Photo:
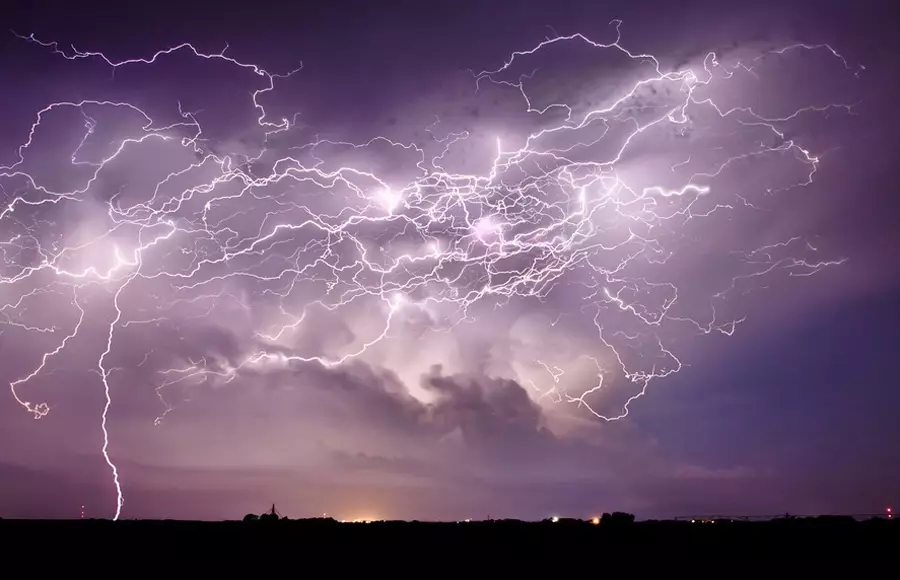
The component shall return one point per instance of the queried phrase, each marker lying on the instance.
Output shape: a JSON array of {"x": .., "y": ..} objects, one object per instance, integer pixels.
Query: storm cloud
[{"x": 441, "y": 282}]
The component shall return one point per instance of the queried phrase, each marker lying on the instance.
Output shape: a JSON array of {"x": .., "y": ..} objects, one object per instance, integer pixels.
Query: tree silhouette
[{"x": 617, "y": 519}]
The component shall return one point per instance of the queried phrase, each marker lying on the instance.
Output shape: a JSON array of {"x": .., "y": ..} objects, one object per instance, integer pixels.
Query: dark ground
[{"x": 505, "y": 543}]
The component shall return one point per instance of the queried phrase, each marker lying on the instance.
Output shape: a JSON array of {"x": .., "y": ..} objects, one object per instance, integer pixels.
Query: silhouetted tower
[{"x": 271, "y": 516}]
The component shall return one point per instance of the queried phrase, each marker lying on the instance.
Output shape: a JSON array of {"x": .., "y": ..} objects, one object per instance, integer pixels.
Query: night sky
[{"x": 378, "y": 260}]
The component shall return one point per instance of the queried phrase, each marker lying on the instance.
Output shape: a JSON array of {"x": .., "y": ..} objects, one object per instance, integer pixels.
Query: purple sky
[{"x": 428, "y": 276}]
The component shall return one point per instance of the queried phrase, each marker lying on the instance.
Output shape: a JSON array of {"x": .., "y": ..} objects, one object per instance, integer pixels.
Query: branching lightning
[{"x": 556, "y": 211}]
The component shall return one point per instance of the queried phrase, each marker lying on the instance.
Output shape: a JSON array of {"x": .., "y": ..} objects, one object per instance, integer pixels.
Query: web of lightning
[{"x": 558, "y": 204}]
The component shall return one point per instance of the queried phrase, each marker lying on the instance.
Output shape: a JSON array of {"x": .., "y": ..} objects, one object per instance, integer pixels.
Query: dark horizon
[
  {"x": 465, "y": 331},
  {"x": 612, "y": 519}
]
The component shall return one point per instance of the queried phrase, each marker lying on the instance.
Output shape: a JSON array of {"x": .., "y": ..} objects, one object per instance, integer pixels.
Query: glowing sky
[{"x": 448, "y": 264}]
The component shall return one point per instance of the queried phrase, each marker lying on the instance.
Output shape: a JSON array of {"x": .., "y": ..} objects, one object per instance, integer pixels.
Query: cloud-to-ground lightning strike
[{"x": 556, "y": 211}]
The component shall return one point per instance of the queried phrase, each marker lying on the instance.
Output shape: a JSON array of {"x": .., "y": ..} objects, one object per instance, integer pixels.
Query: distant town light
[
  {"x": 595, "y": 521},
  {"x": 554, "y": 519}
]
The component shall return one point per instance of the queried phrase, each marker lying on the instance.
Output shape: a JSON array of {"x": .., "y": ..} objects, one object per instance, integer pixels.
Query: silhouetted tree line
[
  {"x": 607, "y": 519},
  {"x": 269, "y": 516},
  {"x": 617, "y": 518},
  {"x": 273, "y": 516}
]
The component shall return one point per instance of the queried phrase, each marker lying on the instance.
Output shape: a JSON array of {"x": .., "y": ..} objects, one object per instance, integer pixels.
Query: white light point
[
  {"x": 486, "y": 227},
  {"x": 398, "y": 301},
  {"x": 389, "y": 199}
]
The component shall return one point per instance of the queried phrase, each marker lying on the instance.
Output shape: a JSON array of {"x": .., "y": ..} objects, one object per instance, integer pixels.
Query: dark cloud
[{"x": 494, "y": 416}]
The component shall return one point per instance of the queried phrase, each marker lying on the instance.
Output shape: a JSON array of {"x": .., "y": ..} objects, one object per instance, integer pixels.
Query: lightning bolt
[{"x": 554, "y": 210}]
